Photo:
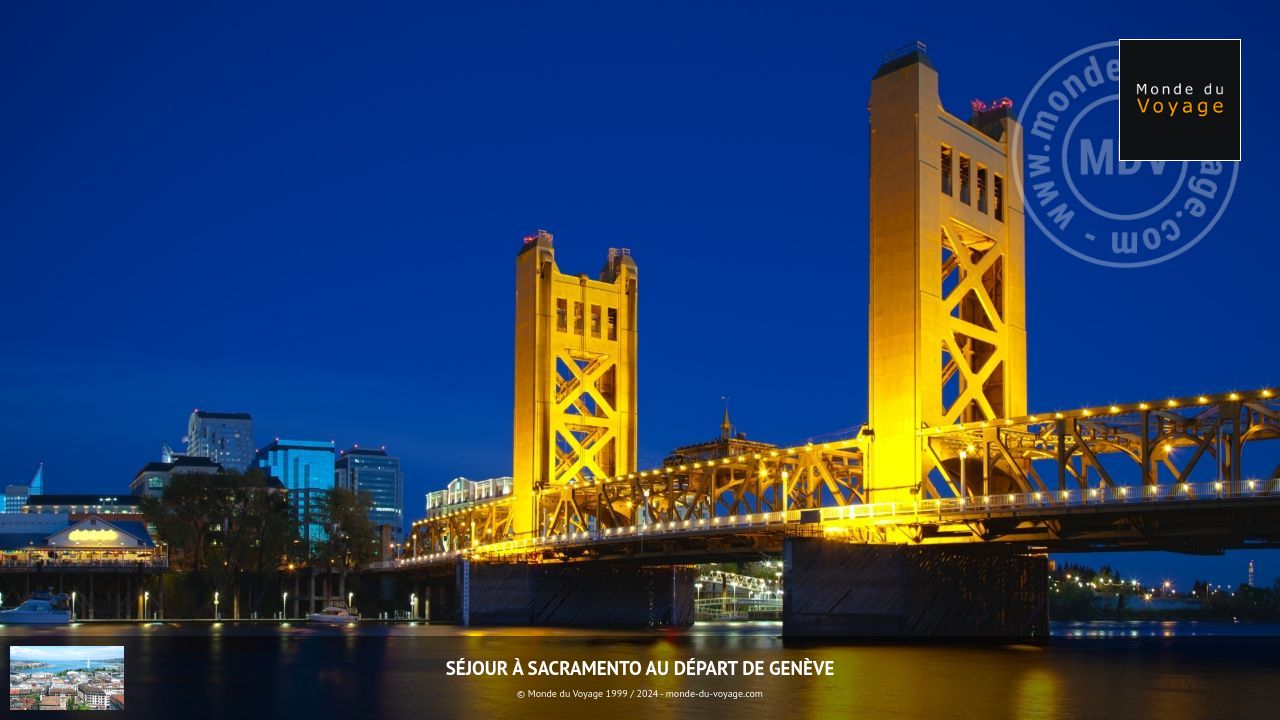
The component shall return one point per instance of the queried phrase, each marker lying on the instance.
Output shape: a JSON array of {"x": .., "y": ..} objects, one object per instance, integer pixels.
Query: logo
[
  {"x": 1180, "y": 100},
  {"x": 1075, "y": 188}
]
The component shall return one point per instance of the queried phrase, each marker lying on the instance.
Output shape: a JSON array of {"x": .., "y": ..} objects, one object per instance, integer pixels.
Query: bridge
[{"x": 933, "y": 519}]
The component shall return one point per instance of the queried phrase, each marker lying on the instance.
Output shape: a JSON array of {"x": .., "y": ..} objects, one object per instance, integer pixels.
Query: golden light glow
[
  {"x": 912, "y": 385},
  {"x": 576, "y": 338},
  {"x": 95, "y": 536}
]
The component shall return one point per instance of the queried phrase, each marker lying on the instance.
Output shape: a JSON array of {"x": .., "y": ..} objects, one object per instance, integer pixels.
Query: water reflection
[{"x": 1174, "y": 671}]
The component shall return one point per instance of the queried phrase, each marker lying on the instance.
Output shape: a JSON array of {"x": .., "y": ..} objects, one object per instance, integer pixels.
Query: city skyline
[{"x": 768, "y": 142}]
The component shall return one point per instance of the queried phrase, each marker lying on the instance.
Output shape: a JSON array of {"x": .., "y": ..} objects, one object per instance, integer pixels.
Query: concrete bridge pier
[
  {"x": 833, "y": 588},
  {"x": 567, "y": 595}
]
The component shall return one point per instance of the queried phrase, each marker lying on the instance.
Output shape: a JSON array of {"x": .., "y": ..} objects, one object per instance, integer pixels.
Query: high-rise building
[
  {"x": 375, "y": 475},
  {"x": 225, "y": 438},
  {"x": 16, "y": 495},
  {"x": 305, "y": 468}
]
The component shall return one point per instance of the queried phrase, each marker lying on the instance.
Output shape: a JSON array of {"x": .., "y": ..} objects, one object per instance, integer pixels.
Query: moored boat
[
  {"x": 335, "y": 614},
  {"x": 41, "y": 608}
]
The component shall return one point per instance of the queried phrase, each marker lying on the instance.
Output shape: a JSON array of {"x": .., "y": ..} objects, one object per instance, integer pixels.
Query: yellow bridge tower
[
  {"x": 948, "y": 312},
  {"x": 575, "y": 377}
]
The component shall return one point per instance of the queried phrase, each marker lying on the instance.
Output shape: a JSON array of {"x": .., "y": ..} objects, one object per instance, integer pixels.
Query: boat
[
  {"x": 41, "y": 608},
  {"x": 336, "y": 614}
]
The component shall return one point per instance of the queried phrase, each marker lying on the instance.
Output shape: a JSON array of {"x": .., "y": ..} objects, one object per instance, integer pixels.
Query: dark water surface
[{"x": 1169, "y": 671}]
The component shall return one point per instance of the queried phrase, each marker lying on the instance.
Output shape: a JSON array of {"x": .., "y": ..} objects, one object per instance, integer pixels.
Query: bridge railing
[
  {"x": 1040, "y": 503},
  {"x": 1074, "y": 497}
]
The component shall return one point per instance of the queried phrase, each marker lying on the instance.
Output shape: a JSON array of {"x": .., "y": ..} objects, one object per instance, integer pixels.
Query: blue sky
[
  {"x": 313, "y": 217},
  {"x": 65, "y": 653}
]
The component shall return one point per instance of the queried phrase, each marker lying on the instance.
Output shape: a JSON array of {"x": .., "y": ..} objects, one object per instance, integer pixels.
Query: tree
[
  {"x": 259, "y": 530},
  {"x": 352, "y": 538},
  {"x": 228, "y": 522},
  {"x": 182, "y": 515}
]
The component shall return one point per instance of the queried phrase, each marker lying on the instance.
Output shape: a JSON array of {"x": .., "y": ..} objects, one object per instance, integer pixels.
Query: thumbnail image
[{"x": 66, "y": 677}]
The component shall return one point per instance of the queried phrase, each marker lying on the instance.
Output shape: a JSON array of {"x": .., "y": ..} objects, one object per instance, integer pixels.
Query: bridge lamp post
[
  {"x": 964, "y": 455},
  {"x": 146, "y": 598},
  {"x": 284, "y": 606},
  {"x": 73, "y": 606},
  {"x": 413, "y": 606},
  {"x": 216, "y": 614},
  {"x": 350, "y": 599}
]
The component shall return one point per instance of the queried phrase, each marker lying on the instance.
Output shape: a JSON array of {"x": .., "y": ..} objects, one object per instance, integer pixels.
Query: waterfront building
[
  {"x": 306, "y": 469},
  {"x": 60, "y": 541},
  {"x": 80, "y": 506},
  {"x": 225, "y": 438},
  {"x": 461, "y": 490},
  {"x": 376, "y": 476},
  {"x": 154, "y": 477}
]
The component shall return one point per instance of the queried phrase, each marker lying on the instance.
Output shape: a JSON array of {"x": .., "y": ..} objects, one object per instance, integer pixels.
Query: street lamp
[
  {"x": 284, "y": 606},
  {"x": 413, "y": 606},
  {"x": 216, "y": 615},
  {"x": 964, "y": 455},
  {"x": 73, "y": 606},
  {"x": 146, "y": 597},
  {"x": 351, "y": 597}
]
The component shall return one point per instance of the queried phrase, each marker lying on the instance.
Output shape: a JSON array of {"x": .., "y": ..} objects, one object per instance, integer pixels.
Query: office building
[
  {"x": 16, "y": 495},
  {"x": 305, "y": 468},
  {"x": 154, "y": 477},
  {"x": 374, "y": 475},
  {"x": 225, "y": 438}
]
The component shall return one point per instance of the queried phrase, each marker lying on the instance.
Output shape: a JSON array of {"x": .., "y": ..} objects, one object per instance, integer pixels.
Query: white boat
[
  {"x": 333, "y": 614},
  {"x": 41, "y": 608}
]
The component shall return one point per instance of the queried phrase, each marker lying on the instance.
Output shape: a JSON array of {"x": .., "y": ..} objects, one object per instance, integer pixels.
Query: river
[{"x": 1166, "y": 670}]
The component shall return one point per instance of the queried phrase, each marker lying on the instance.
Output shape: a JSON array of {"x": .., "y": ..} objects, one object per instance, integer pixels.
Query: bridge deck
[{"x": 1197, "y": 517}]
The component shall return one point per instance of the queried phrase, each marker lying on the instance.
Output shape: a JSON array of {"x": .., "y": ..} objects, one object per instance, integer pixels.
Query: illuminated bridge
[{"x": 933, "y": 519}]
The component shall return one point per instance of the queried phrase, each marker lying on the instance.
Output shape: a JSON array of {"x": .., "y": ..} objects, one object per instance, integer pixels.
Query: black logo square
[{"x": 1179, "y": 100}]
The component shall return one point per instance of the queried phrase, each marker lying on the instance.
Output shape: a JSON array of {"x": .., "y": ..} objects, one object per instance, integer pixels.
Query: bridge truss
[{"x": 1091, "y": 475}]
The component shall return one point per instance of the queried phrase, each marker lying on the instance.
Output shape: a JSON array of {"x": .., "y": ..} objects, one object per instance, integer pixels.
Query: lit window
[
  {"x": 946, "y": 170},
  {"x": 982, "y": 189},
  {"x": 997, "y": 196}
]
